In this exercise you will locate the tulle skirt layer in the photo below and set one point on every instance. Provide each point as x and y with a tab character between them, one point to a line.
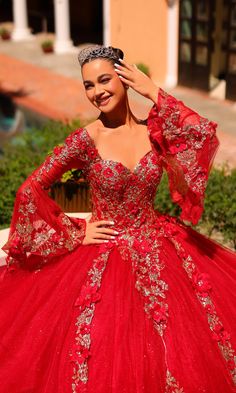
127	355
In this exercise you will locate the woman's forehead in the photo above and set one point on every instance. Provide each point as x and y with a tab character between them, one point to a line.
96	67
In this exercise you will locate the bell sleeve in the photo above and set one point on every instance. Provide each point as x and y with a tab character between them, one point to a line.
40	231
187	144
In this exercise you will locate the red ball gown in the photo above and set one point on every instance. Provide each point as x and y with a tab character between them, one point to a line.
152	311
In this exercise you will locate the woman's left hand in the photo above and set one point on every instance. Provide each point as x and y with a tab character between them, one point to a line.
137	80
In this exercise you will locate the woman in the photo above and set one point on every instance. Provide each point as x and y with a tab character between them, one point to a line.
132	301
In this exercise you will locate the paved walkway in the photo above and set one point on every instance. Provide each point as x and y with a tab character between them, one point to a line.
54	89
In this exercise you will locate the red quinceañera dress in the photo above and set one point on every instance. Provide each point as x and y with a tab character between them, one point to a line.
152	311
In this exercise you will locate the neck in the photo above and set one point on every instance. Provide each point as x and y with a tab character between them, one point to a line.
121	116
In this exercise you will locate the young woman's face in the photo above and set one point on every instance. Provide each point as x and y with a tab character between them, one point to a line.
103	86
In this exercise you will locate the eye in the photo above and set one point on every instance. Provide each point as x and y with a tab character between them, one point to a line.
87	87
105	80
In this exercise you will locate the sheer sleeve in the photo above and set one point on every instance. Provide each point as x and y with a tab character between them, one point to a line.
187	144
40	230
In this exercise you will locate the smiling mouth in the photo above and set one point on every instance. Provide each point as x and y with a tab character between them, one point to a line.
104	101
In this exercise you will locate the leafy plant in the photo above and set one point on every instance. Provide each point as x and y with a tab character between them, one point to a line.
4	33
73	175
21	156
219	208
220	204
144	68
47	45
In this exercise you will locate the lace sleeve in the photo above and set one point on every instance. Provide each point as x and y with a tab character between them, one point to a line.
187	144
40	230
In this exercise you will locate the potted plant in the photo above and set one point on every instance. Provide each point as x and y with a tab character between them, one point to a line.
71	192
144	68
47	46
5	34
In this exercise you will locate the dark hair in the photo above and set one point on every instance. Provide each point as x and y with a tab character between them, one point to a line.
120	54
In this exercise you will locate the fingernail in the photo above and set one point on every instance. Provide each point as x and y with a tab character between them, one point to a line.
117	65
105	241
116	232
119	76
111	222
116	69
120	59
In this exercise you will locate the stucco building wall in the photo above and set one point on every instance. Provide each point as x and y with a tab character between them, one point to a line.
140	29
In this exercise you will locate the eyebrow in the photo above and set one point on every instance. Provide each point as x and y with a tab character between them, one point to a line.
100	76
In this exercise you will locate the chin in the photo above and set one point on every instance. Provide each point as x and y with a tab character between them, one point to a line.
107	108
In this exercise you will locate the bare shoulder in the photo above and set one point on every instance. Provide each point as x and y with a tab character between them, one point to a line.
93	129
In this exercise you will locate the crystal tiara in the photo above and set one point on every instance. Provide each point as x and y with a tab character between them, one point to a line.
97	51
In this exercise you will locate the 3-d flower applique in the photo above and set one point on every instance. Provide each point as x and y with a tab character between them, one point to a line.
142	246
201	283
210	309
159	313
119	167
83	329
57	149
178	145
132	207
220	334
89	294
98	166
170	229
17	250
92	152
108	172
79	354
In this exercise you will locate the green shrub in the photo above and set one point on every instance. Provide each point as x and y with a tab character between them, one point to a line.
219	207
163	202
220	204
25	153
47	44
144	68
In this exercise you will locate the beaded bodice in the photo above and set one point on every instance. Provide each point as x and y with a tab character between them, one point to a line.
122	195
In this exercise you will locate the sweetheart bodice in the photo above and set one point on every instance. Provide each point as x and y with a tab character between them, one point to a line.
120	194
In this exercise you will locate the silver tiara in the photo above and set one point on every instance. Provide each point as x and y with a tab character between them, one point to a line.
97	51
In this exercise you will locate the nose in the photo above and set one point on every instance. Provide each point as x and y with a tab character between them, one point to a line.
98	90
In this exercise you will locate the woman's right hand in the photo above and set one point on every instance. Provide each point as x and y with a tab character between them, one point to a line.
97	234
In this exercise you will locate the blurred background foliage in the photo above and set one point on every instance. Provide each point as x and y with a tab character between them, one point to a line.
24	154
219	218
27	152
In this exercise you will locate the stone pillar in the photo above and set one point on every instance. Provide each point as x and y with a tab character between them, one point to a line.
21	31
63	43
106	23
172	43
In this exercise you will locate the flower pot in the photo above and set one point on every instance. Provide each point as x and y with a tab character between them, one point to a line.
72	196
6	36
47	49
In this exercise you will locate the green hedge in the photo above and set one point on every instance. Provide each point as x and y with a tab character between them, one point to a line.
219	217
25	153
29	150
